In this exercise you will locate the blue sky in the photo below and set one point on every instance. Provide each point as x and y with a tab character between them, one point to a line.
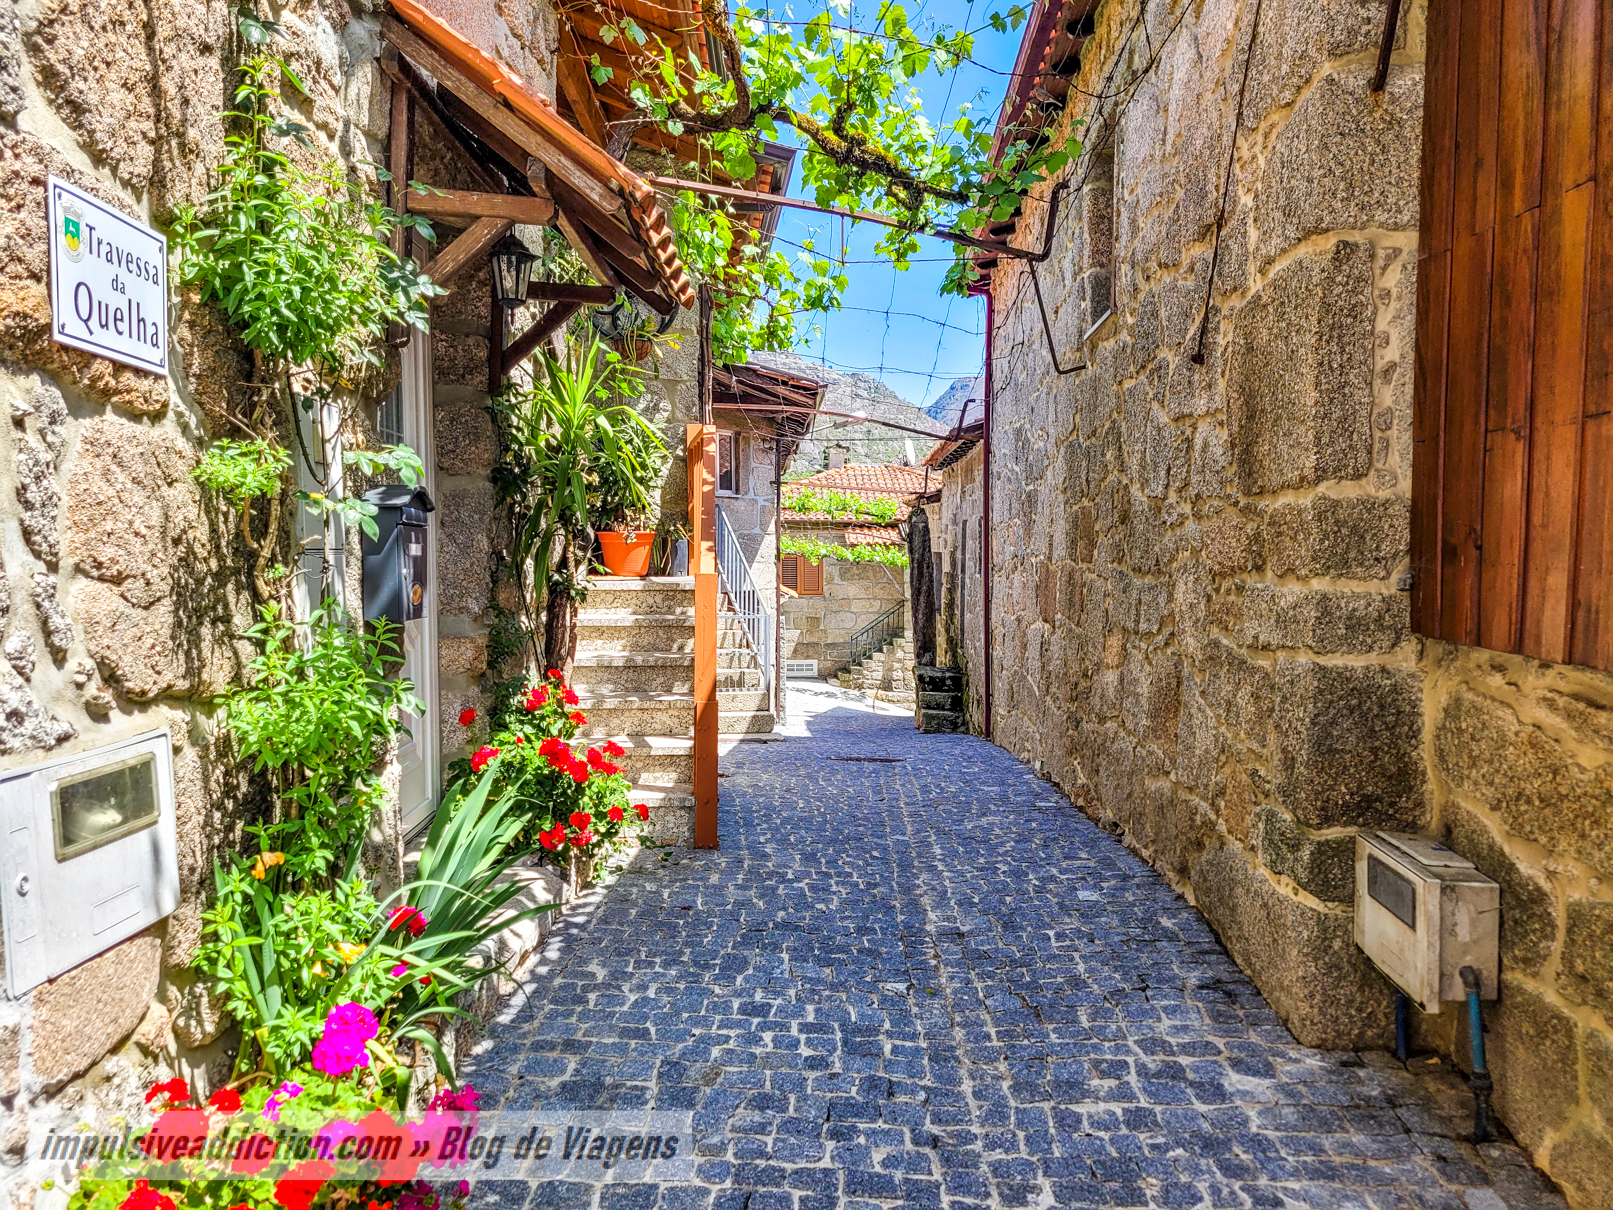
911	351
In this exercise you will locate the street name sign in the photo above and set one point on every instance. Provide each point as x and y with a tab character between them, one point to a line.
108	280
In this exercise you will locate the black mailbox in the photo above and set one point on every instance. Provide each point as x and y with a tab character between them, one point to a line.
395	560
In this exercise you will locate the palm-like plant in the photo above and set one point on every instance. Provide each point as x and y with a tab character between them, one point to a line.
564	441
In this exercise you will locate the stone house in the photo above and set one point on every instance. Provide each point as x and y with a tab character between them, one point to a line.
1254	549
126	587
829	601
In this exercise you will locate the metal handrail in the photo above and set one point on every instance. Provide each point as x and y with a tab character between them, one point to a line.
892	624
747	601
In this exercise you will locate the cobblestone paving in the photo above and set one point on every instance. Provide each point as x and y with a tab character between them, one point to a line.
927	980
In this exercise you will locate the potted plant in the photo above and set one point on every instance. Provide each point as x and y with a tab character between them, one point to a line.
619	506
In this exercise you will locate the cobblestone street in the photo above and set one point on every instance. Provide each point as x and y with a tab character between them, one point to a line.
914	974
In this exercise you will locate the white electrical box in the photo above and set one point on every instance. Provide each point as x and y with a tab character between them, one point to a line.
89	855
1422	913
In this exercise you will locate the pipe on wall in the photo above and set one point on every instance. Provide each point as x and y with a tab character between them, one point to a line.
985	530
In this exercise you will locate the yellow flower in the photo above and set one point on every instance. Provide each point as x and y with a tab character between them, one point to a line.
260	867
348	951
319	970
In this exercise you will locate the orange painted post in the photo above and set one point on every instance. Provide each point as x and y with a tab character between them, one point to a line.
701	454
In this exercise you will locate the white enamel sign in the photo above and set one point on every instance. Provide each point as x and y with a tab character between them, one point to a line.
108	281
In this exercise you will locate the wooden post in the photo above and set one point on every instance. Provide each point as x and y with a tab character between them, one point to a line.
701	454
495	338
400	142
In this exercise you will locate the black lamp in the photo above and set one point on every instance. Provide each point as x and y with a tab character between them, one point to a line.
512	271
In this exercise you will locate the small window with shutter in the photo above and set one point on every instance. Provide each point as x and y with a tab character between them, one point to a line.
727	464
803	577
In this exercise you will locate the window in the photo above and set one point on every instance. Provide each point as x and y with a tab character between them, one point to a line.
1512	533
727	464
803	577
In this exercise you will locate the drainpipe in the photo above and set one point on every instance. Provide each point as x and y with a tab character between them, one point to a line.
985	529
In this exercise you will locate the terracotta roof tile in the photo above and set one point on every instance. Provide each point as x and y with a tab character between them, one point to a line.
882	479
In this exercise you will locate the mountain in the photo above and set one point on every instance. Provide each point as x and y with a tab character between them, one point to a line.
865	443
948	406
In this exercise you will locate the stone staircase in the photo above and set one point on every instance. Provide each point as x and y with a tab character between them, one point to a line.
884	676
634	677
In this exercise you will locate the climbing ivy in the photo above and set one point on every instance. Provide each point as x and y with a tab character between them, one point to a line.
815	550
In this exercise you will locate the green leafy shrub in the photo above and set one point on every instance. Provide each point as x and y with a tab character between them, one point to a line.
317	714
844	506
815	550
242	471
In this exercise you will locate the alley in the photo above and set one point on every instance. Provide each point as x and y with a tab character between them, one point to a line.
914	974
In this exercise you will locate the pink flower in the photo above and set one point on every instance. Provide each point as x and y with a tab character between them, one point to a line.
404	915
400	969
286	1092
465	1099
341	1047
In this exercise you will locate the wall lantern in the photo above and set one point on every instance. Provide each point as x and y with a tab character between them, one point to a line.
512	271
627	319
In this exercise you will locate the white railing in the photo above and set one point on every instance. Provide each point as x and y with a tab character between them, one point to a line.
747	600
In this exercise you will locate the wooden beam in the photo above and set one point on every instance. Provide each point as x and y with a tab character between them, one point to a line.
565	291
401	71
555	156
700	459
477	239
646	285
583	244
551	322
578	86
455	203
606	229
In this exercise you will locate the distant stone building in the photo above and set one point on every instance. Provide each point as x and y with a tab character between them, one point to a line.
830	600
1295	524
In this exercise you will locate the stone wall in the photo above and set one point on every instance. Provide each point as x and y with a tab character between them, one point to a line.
956	541
854	594
1199	623
124	590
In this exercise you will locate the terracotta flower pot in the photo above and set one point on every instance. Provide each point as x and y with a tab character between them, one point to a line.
627	554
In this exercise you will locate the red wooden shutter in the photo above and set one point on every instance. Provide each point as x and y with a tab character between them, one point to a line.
791	571
811	579
1512	542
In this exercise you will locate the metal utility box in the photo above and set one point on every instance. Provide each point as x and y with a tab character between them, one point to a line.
396	560
89	855
1422	913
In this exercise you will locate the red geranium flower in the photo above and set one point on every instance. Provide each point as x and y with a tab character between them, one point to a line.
579	774
554	674
612	748
581	819
144	1197
176	1090
467	717
583	838
520	739
609	769
616	814
484	754
594	758
404	915
578	717
569	698
552	746
225	1100
553	838
642	809
538	697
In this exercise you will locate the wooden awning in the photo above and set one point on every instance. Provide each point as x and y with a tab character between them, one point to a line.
787	400
605	210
